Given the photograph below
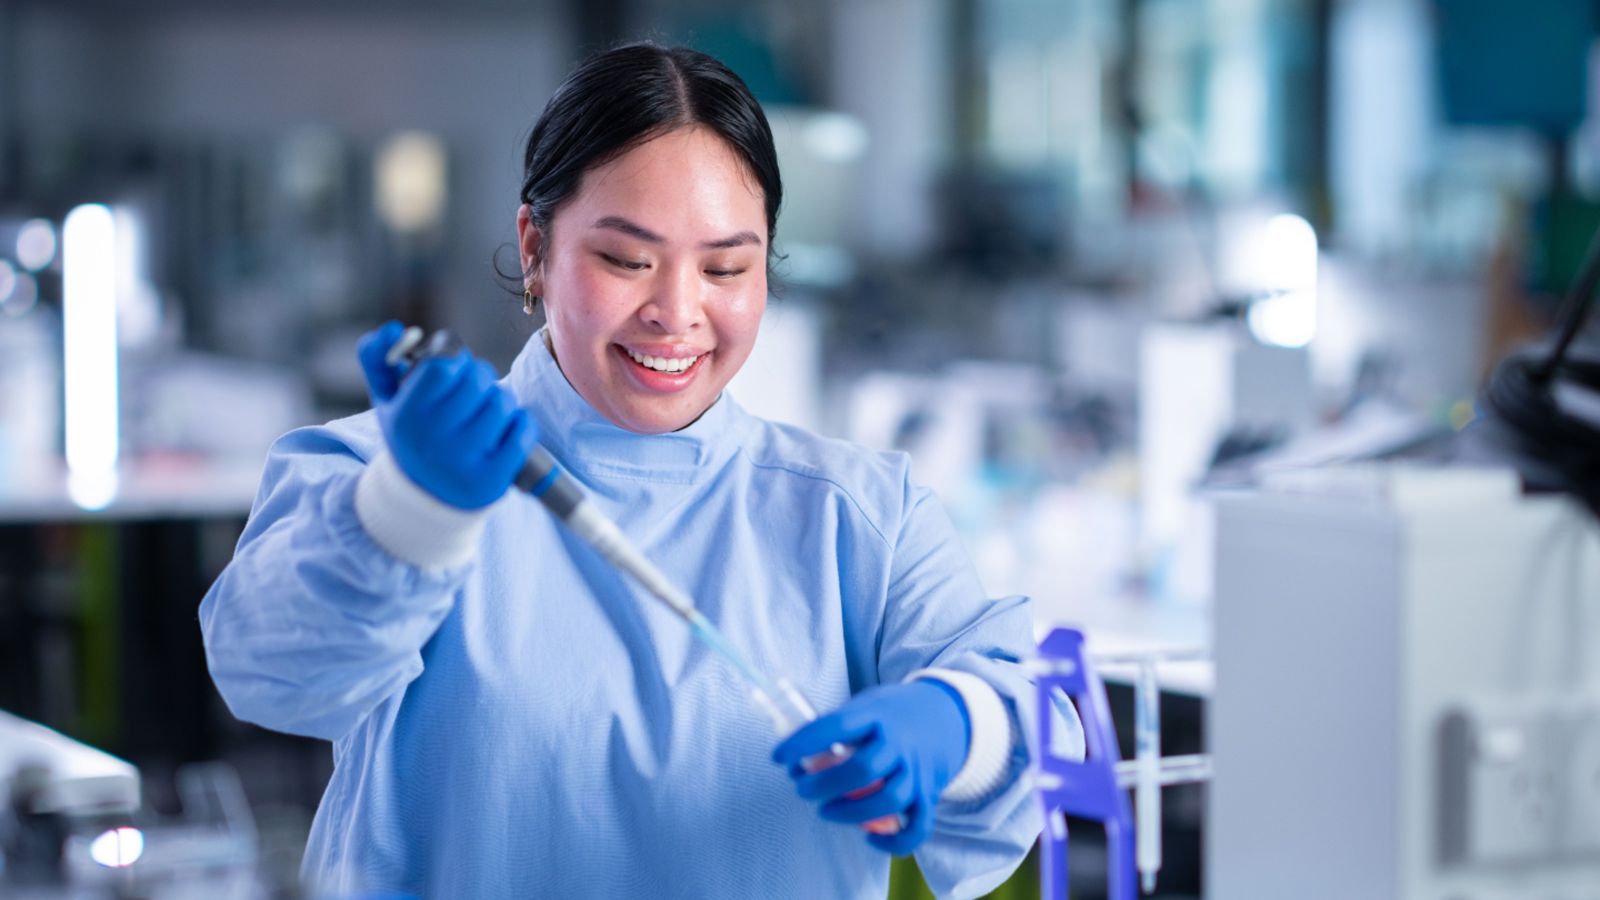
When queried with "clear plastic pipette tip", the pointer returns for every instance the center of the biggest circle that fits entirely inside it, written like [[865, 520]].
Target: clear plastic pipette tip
[[408, 339]]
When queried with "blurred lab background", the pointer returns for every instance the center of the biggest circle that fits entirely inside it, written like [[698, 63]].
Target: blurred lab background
[[1087, 260]]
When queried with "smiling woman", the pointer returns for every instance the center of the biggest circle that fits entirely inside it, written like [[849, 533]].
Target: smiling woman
[[653, 278], [507, 718], [647, 231]]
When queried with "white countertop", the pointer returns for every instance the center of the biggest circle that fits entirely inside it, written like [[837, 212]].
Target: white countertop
[[1133, 625], [166, 489]]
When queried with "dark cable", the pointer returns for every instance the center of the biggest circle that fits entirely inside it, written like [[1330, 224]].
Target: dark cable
[[1580, 300], [1553, 448]]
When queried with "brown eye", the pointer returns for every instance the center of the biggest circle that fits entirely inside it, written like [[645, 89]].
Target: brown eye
[[626, 264]]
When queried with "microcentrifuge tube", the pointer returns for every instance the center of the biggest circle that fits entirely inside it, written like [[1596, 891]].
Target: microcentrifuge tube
[[789, 710]]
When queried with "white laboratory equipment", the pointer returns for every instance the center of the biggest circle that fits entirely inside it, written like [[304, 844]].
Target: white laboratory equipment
[[78, 779], [1407, 697], [72, 826], [1199, 384], [782, 379]]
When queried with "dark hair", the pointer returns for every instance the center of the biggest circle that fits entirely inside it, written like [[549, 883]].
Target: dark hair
[[620, 98]]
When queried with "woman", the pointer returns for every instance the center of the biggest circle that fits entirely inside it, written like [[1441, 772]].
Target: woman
[[510, 717]]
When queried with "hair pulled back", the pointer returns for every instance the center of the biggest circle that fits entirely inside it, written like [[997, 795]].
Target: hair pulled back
[[620, 98]]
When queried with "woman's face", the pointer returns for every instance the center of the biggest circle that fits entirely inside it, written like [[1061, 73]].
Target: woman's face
[[653, 278]]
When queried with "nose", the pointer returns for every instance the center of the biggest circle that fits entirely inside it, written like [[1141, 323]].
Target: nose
[[675, 304]]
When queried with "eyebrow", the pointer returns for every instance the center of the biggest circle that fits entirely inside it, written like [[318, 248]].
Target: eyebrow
[[633, 229]]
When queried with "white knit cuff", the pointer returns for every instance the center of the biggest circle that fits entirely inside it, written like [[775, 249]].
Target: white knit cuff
[[989, 750], [412, 524]]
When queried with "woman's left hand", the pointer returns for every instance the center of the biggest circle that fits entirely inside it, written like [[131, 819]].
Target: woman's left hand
[[907, 743]]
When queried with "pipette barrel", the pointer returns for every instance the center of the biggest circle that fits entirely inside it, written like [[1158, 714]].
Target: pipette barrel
[[544, 478]]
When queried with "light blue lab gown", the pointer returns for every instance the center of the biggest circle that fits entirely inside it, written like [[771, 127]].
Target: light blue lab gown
[[529, 724]]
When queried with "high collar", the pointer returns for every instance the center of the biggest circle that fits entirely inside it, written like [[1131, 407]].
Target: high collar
[[598, 450]]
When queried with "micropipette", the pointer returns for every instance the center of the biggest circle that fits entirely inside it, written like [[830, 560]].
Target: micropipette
[[561, 494], [543, 477]]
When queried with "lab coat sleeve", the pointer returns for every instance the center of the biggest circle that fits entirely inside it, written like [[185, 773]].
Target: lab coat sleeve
[[313, 624], [938, 617]]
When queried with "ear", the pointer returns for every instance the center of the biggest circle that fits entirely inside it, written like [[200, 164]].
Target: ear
[[530, 250]]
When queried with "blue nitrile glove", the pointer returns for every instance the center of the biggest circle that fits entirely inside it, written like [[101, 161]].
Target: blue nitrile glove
[[450, 425], [913, 737]]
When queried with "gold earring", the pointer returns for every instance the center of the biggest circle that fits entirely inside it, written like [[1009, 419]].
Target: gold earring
[[529, 301]]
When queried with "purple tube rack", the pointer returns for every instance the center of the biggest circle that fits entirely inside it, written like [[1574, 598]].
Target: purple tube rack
[[1086, 789]]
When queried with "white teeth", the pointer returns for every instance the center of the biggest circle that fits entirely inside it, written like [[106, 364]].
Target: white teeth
[[662, 363]]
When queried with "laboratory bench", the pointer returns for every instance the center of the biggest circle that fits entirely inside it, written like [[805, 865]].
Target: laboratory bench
[[171, 488], [99, 629]]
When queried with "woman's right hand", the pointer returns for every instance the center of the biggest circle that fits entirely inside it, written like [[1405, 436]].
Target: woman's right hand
[[451, 427]]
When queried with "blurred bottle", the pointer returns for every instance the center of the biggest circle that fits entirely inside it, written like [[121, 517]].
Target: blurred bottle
[[30, 401]]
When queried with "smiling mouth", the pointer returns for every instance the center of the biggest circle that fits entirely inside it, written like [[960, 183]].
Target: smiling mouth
[[663, 364], [661, 367], [662, 371]]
